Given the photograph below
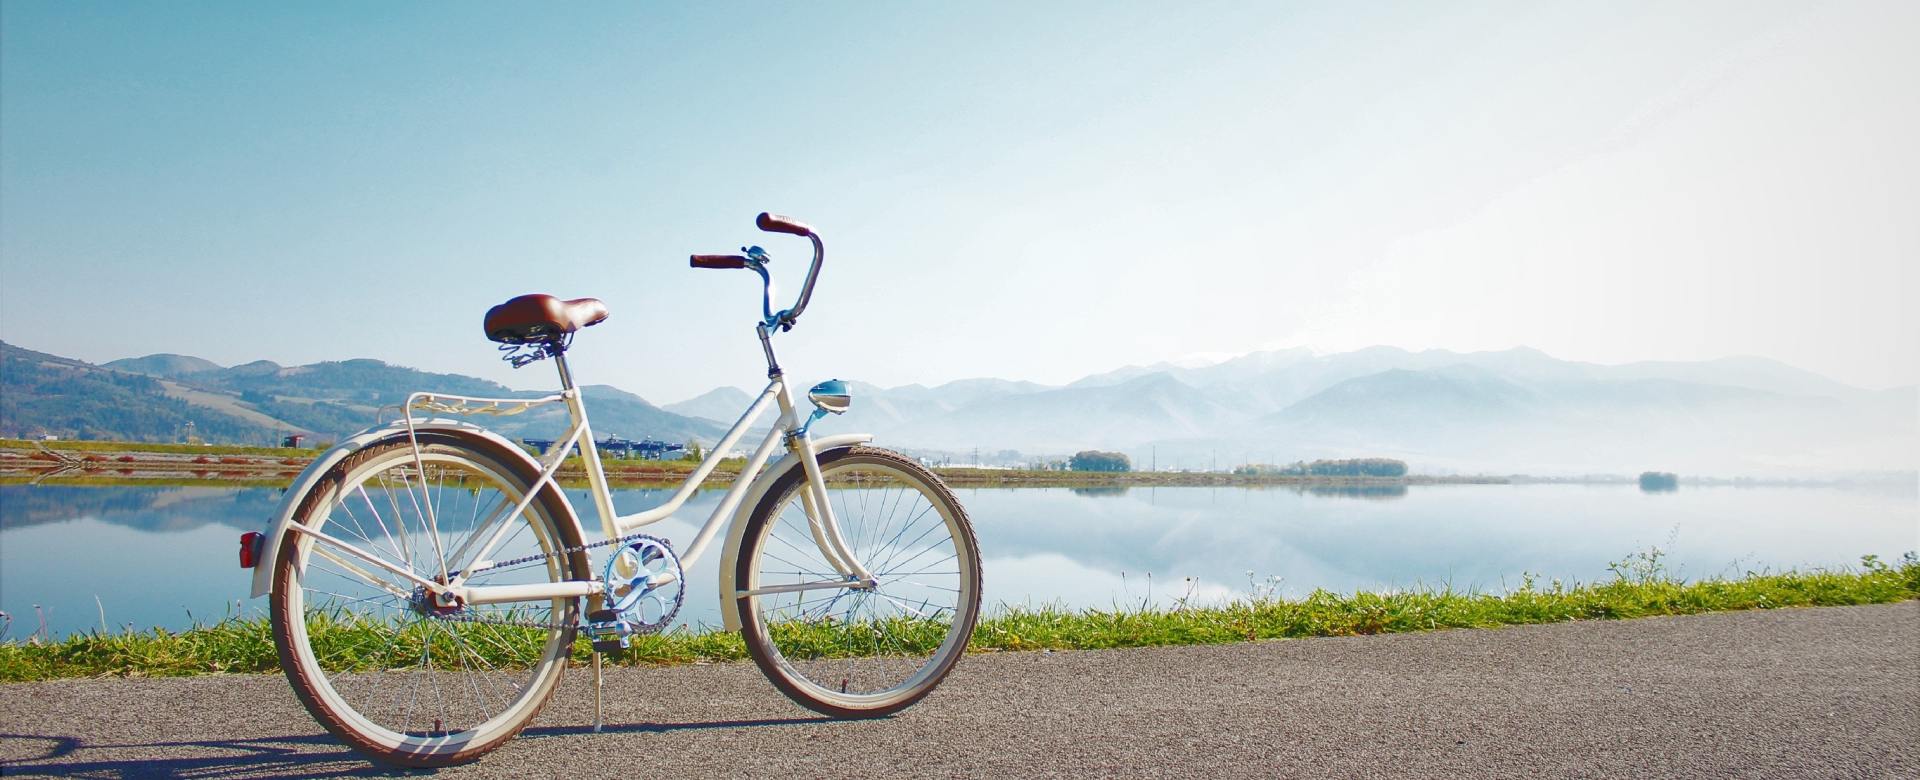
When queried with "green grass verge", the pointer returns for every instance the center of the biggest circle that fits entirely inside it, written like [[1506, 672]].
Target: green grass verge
[[1641, 587]]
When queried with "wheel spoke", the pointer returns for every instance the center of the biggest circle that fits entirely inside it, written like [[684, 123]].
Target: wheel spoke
[[866, 650], [399, 670]]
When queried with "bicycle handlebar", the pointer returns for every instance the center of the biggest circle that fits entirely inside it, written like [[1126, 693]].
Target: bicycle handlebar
[[717, 261], [774, 223], [756, 259]]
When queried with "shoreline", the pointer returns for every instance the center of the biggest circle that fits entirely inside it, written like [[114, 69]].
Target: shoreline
[[89, 462], [25, 461]]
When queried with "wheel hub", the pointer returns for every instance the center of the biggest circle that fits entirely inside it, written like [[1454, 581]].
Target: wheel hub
[[431, 604]]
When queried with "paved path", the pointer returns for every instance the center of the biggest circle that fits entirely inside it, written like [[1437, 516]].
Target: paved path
[[1792, 693]]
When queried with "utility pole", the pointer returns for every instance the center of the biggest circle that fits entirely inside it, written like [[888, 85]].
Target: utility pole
[[1156, 459]]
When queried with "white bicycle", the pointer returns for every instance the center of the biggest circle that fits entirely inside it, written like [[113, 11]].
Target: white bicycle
[[428, 577]]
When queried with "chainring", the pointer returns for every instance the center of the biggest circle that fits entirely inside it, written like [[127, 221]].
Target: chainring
[[645, 583]]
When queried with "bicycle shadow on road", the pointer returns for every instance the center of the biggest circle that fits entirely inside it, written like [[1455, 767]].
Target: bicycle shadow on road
[[307, 755], [254, 757], [547, 732]]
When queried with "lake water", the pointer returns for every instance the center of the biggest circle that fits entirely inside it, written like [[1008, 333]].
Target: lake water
[[166, 556]]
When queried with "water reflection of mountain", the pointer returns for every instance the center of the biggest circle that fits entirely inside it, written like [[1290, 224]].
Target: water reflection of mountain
[[1334, 491], [155, 509], [1371, 492], [1219, 534]]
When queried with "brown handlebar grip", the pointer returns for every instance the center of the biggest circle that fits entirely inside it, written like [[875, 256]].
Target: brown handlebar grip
[[717, 261], [774, 223]]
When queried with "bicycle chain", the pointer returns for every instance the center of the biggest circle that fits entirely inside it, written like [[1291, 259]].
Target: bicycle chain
[[501, 621]]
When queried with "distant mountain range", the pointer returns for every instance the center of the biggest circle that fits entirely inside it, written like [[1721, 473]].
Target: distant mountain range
[[1512, 411], [154, 398]]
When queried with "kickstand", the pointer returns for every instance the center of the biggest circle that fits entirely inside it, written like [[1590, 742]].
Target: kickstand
[[596, 691]]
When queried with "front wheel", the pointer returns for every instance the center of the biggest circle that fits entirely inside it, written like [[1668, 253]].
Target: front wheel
[[854, 652]]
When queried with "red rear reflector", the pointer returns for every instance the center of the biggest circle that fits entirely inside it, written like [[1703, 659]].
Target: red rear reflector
[[249, 542]]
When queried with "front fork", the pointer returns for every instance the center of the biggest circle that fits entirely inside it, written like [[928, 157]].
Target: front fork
[[820, 519]]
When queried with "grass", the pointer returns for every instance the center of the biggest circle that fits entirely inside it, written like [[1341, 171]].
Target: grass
[[1641, 586]]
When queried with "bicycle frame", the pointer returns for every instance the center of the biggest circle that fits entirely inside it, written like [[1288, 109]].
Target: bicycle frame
[[449, 586], [788, 427], [412, 574], [613, 525]]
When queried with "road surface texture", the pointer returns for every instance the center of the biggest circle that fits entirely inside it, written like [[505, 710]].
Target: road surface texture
[[1831, 692]]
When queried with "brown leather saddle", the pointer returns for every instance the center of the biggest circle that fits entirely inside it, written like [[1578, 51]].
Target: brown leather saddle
[[541, 319]]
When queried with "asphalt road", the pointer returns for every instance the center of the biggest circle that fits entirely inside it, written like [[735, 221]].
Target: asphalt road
[[1831, 692]]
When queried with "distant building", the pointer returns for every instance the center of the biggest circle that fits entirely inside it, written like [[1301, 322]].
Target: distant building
[[614, 446]]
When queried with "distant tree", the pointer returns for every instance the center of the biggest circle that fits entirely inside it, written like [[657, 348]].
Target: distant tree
[[695, 452], [1657, 481], [1355, 467], [1096, 460], [1358, 467]]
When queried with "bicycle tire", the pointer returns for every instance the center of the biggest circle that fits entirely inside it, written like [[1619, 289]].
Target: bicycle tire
[[897, 641], [487, 680]]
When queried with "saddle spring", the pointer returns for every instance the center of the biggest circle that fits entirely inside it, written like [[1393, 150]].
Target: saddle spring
[[521, 355]]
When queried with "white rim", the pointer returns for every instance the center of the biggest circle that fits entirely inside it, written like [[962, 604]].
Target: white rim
[[526, 695], [908, 565]]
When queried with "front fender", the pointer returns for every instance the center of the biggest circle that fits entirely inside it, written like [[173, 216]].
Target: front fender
[[269, 546], [737, 530]]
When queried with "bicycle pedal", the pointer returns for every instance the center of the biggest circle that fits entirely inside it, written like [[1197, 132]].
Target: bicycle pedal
[[607, 631]]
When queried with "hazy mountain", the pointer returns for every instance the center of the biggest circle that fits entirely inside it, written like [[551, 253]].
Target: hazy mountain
[[1065, 419], [889, 408], [612, 412], [721, 404], [164, 365], [1577, 419], [1516, 410], [1509, 411], [361, 382], [1744, 371], [259, 402], [1399, 398], [42, 394]]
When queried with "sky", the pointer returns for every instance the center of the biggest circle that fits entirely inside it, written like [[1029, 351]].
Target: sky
[[1033, 191]]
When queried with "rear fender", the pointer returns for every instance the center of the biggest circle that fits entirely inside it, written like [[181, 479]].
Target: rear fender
[[737, 530], [269, 545]]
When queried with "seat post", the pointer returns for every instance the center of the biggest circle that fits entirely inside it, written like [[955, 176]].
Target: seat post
[[566, 374]]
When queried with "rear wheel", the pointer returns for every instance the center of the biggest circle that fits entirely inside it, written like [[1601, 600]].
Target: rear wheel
[[860, 652], [377, 661]]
